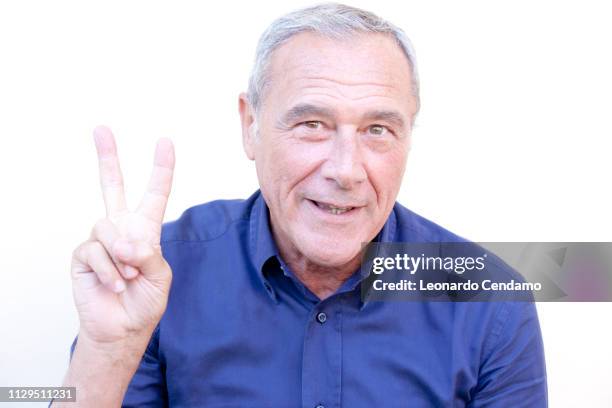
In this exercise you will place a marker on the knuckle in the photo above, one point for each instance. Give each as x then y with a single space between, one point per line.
81 252
146 254
104 276
95 247
93 251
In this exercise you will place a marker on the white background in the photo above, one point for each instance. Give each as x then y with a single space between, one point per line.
512 143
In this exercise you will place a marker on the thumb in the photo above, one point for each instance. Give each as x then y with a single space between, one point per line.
144 257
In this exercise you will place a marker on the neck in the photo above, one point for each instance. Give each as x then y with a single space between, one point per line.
321 280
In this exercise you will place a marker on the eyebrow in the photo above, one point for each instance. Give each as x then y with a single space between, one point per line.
304 110
388 116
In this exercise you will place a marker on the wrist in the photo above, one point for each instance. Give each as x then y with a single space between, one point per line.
129 344
102 371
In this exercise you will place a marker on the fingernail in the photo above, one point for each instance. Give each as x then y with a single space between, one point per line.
119 286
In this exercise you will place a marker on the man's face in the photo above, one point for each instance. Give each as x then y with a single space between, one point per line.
334 133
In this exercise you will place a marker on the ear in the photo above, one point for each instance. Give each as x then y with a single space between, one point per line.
249 125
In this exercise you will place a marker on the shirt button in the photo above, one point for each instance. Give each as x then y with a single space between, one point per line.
320 406
321 318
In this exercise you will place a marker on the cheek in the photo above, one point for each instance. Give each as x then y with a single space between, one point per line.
285 164
385 172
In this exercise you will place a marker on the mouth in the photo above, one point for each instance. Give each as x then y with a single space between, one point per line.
334 209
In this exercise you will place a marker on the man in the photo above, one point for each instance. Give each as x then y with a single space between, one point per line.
265 308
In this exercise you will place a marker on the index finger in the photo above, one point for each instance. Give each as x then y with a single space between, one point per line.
153 204
111 178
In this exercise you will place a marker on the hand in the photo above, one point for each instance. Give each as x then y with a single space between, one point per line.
120 279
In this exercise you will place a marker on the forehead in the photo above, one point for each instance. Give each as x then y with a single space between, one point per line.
364 69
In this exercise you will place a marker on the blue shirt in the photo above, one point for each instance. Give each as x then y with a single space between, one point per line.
241 330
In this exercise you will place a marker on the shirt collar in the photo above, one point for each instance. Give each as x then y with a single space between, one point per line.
264 250
386 234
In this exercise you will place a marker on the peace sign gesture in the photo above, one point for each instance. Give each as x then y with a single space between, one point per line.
120 280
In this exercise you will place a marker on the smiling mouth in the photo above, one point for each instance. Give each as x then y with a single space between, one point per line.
332 209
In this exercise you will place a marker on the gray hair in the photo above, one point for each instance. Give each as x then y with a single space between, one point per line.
332 20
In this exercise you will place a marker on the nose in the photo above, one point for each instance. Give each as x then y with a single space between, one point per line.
344 164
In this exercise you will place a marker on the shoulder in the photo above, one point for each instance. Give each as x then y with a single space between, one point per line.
208 221
412 227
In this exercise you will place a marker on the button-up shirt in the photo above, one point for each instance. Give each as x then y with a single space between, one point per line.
240 330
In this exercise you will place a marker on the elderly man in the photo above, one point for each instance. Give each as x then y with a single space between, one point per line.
265 308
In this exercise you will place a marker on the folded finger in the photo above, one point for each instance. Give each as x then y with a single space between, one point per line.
93 254
143 256
107 233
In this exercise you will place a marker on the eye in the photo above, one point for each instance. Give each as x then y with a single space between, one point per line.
312 124
377 130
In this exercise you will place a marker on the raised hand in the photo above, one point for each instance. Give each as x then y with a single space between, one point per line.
120 279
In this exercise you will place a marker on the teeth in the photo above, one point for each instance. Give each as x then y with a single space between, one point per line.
334 210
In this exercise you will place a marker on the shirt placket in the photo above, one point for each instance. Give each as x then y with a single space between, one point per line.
322 356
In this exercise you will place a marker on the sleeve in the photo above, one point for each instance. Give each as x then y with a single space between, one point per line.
513 371
148 386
